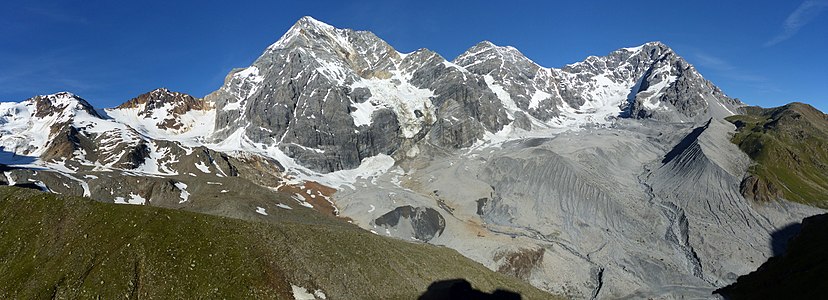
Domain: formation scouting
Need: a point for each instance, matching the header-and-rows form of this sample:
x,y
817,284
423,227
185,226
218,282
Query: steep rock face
x,y
465,106
329,98
66,142
649,81
687,92
526,83
297,96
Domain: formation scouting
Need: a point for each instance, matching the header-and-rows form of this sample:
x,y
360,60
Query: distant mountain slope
x,y
801,273
790,147
69,247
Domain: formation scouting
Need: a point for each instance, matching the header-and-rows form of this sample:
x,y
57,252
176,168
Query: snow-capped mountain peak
x,y
319,86
29,127
325,108
62,103
311,23
329,98
487,50
167,115
178,103
309,31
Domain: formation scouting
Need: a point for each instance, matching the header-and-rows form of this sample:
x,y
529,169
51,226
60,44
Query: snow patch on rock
x,y
185,195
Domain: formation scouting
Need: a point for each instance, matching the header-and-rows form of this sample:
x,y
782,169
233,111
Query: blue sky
x,y
764,52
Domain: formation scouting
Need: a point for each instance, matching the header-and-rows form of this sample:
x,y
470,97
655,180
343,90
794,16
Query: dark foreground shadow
x,y
800,273
781,237
462,289
30,186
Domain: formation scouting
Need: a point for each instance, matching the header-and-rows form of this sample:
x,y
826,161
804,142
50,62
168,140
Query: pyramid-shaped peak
x,y
487,50
657,45
306,28
164,92
61,102
486,43
648,46
161,91
311,23
490,45
62,98
159,97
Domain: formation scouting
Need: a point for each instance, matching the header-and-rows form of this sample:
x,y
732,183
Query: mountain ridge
x,y
787,143
612,169
429,94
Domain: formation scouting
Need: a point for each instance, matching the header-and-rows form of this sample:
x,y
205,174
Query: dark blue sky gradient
x,y
765,52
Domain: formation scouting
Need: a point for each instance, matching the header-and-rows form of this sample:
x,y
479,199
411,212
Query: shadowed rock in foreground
x,y
462,289
801,273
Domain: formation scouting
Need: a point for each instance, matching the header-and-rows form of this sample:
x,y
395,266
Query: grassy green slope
x,y
790,147
69,247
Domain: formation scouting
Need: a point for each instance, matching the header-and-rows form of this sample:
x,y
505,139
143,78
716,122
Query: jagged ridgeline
x,y
70,247
330,97
614,177
790,147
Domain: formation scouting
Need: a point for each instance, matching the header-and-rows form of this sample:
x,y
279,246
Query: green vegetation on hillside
x,y
790,147
53,246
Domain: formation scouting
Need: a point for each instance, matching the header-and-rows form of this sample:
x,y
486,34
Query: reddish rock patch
x,y
318,195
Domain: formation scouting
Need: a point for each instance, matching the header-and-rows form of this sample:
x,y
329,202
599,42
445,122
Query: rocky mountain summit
x,y
330,97
169,108
608,178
